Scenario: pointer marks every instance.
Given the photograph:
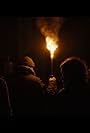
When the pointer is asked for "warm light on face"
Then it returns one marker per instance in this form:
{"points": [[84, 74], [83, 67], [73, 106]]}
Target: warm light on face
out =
{"points": [[51, 45]]}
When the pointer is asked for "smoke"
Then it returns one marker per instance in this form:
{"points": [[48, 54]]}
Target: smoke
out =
{"points": [[50, 26]]}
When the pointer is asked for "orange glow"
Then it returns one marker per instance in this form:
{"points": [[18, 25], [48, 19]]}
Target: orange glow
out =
{"points": [[51, 45]]}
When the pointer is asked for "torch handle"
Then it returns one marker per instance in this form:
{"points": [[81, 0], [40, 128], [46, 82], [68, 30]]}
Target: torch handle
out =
{"points": [[51, 66]]}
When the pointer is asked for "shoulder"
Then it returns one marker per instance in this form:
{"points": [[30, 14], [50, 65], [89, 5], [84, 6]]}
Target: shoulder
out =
{"points": [[2, 82], [31, 77], [34, 79]]}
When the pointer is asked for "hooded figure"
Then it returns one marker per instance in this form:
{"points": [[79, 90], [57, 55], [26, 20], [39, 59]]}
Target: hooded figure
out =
{"points": [[27, 89], [75, 97]]}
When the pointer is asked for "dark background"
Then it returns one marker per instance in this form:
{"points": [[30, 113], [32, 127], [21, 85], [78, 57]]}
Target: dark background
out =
{"points": [[20, 36]]}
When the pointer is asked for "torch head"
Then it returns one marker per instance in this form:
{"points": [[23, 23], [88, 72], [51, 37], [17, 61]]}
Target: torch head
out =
{"points": [[51, 46]]}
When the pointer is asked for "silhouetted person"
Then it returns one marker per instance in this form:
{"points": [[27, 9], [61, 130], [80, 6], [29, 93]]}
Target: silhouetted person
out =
{"points": [[75, 97], [27, 89], [89, 76], [5, 105]]}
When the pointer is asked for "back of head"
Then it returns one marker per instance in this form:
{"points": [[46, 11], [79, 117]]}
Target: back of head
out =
{"points": [[74, 72], [25, 64], [26, 61]]}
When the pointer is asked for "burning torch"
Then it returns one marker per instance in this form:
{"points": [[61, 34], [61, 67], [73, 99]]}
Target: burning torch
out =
{"points": [[51, 46]]}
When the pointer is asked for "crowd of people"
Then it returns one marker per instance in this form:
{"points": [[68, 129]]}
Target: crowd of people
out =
{"points": [[23, 93]]}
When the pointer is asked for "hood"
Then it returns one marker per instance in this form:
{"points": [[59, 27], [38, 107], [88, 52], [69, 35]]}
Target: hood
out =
{"points": [[26, 61]]}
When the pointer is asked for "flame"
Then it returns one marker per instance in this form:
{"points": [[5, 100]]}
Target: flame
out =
{"points": [[51, 45]]}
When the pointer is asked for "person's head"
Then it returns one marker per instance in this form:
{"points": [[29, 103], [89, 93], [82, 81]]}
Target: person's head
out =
{"points": [[27, 63], [74, 72]]}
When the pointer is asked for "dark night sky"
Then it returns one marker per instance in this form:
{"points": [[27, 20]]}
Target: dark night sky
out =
{"points": [[20, 36]]}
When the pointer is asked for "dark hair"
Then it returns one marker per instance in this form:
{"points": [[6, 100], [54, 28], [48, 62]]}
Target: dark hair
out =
{"points": [[74, 70]]}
